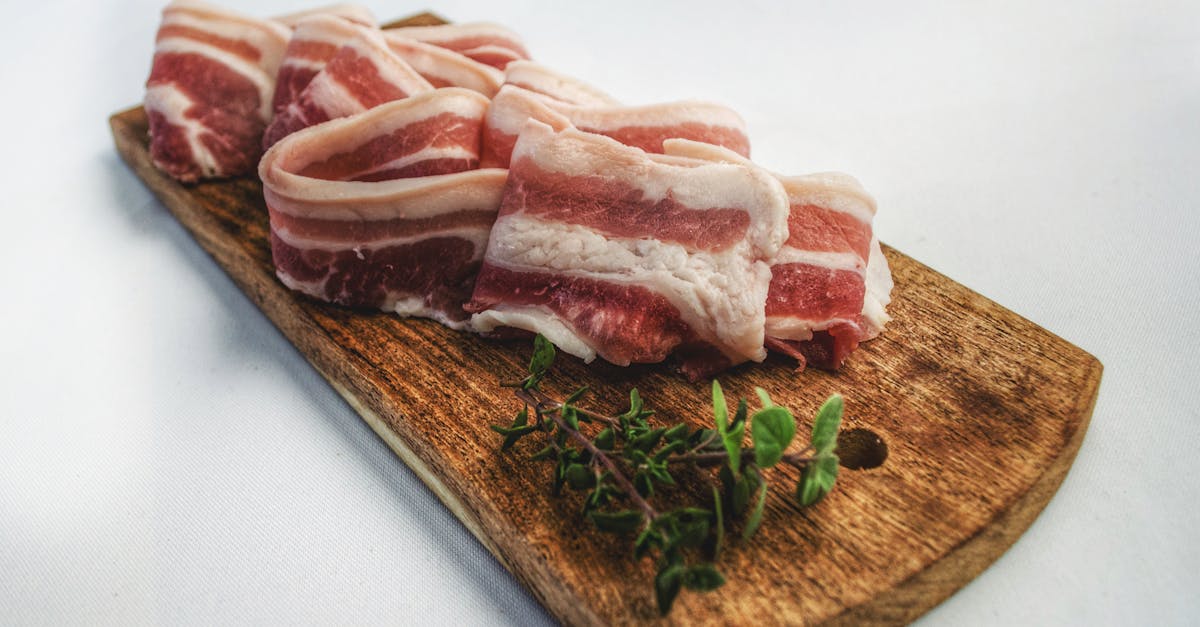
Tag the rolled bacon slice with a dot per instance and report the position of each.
(607, 250)
(830, 282)
(486, 43)
(540, 79)
(353, 12)
(364, 73)
(644, 127)
(208, 97)
(314, 41)
(443, 67)
(384, 209)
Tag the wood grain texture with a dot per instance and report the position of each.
(982, 411)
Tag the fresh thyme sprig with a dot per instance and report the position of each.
(621, 465)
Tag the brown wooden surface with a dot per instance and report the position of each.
(982, 411)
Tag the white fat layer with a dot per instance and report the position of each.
(268, 37)
(823, 259)
(262, 80)
(446, 65)
(477, 236)
(171, 103)
(352, 12)
(330, 95)
(415, 307)
(513, 105)
(448, 33)
(425, 154)
(879, 292)
(414, 198)
(720, 295)
(539, 78)
(534, 320)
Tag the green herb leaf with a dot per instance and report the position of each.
(740, 496)
(764, 397)
(720, 516)
(570, 416)
(772, 430)
(647, 440)
(825, 426)
(666, 587)
(678, 433)
(605, 439)
(543, 356)
(576, 395)
(720, 409)
(817, 479)
(545, 453)
(624, 521)
(702, 578)
(579, 477)
(756, 515)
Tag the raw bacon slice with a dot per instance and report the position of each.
(352, 12)
(443, 67)
(383, 209)
(642, 127)
(314, 42)
(540, 79)
(830, 282)
(208, 97)
(486, 43)
(609, 251)
(364, 73)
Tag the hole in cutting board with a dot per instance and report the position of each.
(861, 449)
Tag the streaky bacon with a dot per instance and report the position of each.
(385, 209)
(208, 97)
(314, 41)
(607, 250)
(362, 74)
(353, 12)
(644, 127)
(443, 67)
(486, 43)
(830, 282)
(538, 78)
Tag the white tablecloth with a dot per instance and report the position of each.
(167, 456)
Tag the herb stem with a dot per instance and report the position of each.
(799, 459)
(550, 406)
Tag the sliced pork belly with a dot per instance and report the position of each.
(443, 67)
(642, 127)
(352, 12)
(314, 42)
(540, 79)
(384, 209)
(830, 282)
(609, 251)
(362, 74)
(491, 44)
(208, 97)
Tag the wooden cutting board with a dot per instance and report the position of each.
(982, 412)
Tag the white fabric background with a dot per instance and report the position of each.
(167, 456)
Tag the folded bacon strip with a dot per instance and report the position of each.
(208, 97)
(353, 12)
(644, 127)
(443, 67)
(315, 39)
(609, 251)
(362, 74)
(830, 281)
(486, 43)
(385, 209)
(540, 79)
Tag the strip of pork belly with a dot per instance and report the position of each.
(362, 74)
(540, 79)
(607, 250)
(353, 12)
(208, 97)
(385, 209)
(830, 282)
(644, 127)
(314, 42)
(443, 67)
(486, 43)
